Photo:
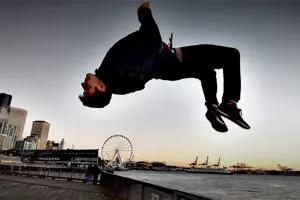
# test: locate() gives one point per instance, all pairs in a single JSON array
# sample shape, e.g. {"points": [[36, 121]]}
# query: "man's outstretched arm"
{"points": [[149, 29], [144, 13]]}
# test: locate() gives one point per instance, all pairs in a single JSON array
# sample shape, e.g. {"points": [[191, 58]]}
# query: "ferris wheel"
{"points": [[117, 149]]}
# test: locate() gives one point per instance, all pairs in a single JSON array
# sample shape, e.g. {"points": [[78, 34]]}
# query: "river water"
{"points": [[224, 187]]}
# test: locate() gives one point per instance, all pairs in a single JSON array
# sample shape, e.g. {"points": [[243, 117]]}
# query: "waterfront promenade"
{"points": [[53, 183], [28, 188]]}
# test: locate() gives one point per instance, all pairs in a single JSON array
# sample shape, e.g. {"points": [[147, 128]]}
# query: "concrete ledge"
{"points": [[127, 188]]}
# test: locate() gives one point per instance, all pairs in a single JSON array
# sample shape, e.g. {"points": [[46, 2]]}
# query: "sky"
{"points": [[47, 47]]}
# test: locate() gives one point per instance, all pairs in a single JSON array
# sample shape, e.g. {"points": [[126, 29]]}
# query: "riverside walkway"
{"points": [[34, 182], [28, 188]]}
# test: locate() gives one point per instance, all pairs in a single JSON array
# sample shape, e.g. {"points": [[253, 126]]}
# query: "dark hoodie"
{"points": [[137, 58]]}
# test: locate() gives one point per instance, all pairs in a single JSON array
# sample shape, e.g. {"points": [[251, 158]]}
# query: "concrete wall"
{"points": [[126, 188]]}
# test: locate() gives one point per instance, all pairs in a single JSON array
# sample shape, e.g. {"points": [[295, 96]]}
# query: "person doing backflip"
{"points": [[142, 56]]}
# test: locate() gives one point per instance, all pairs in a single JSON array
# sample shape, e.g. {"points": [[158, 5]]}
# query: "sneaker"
{"points": [[215, 119], [231, 112]]}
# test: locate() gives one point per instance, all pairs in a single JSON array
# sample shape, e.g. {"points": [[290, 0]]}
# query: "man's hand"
{"points": [[144, 5]]}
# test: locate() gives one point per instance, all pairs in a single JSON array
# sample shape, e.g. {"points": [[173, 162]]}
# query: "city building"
{"points": [[5, 101], [61, 144], [7, 131], [10, 133], [17, 117], [19, 145], [51, 145], [29, 143], [2, 126], [41, 129], [5, 142], [25, 145]]}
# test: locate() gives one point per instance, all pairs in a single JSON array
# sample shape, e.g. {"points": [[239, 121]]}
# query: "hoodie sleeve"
{"points": [[149, 30], [145, 16]]}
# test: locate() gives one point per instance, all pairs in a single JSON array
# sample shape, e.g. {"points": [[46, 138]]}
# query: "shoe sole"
{"points": [[217, 126], [238, 122]]}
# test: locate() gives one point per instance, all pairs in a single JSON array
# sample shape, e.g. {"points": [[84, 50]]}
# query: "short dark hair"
{"points": [[98, 100]]}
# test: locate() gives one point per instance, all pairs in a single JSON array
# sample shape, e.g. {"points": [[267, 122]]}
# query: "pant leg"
{"points": [[202, 60], [232, 76], [209, 87]]}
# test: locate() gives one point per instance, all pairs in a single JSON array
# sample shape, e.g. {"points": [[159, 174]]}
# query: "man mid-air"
{"points": [[142, 56]]}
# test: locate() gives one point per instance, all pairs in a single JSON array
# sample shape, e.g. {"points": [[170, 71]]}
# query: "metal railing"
{"points": [[53, 172]]}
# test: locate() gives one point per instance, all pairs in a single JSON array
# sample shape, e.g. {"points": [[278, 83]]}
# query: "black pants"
{"points": [[200, 61]]}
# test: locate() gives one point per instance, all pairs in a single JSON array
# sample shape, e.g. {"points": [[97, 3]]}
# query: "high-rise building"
{"points": [[8, 137], [61, 144], [7, 132], [11, 131], [17, 117], [5, 142], [5, 100], [2, 126], [41, 129]]}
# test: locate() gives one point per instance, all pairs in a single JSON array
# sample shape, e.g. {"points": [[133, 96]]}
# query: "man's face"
{"points": [[90, 85]]}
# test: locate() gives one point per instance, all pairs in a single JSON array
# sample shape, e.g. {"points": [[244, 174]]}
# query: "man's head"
{"points": [[95, 93]]}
